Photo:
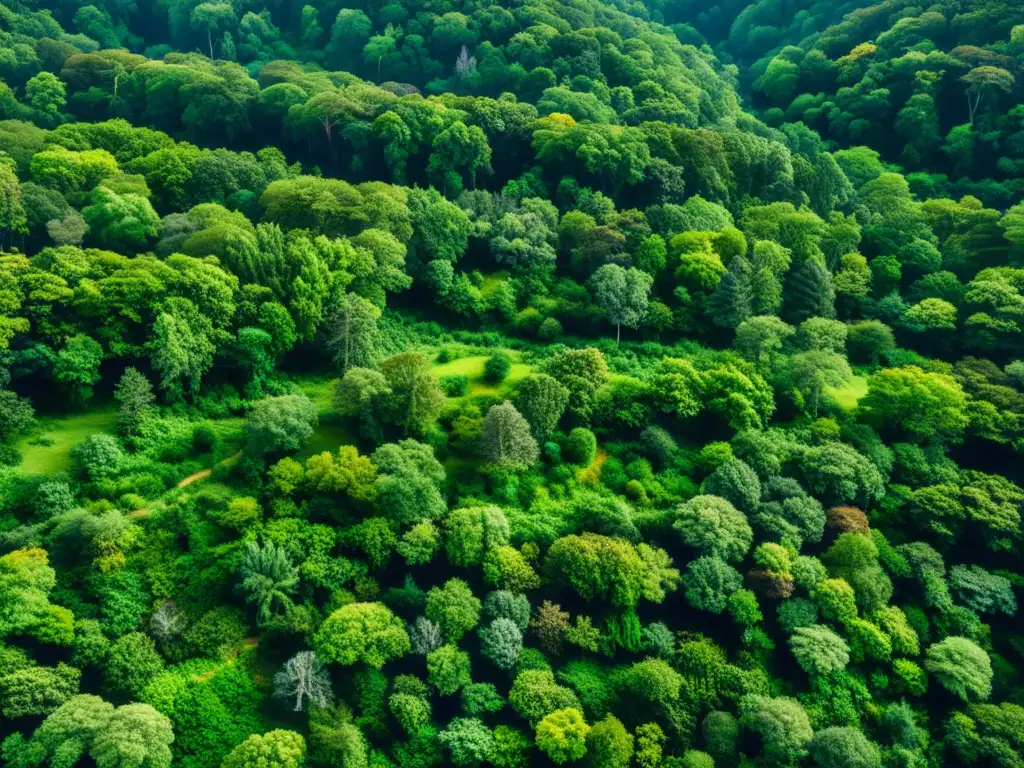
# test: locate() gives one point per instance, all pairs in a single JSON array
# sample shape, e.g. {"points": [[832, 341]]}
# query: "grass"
{"points": [[329, 434], [65, 433], [472, 368], [850, 393]]}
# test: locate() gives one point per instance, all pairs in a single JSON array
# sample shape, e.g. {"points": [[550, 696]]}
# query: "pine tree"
{"points": [[809, 292], [730, 304]]}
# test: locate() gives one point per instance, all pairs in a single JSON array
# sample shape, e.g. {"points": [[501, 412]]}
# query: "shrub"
{"points": [[580, 446], [497, 368], [455, 385]]}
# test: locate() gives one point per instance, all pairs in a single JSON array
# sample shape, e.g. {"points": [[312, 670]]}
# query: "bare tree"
{"points": [[304, 677], [167, 622], [425, 636]]}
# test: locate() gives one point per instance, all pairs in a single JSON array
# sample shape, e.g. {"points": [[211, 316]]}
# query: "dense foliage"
{"points": [[418, 384]]}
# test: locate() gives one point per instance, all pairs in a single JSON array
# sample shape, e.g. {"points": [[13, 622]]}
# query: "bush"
{"points": [[549, 330], [444, 355], [9, 455], [455, 385], [580, 446], [204, 439], [97, 456], [497, 368]]}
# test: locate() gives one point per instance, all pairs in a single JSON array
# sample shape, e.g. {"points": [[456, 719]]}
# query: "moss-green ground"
{"points": [[65, 432], [472, 367], [850, 393]]}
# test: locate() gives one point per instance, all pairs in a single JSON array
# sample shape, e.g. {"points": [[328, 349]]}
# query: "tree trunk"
{"points": [[618, 333], [209, 40]]}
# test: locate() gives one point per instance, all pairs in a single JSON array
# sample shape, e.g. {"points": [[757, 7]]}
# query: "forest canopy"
{"points": [[406, 385]]}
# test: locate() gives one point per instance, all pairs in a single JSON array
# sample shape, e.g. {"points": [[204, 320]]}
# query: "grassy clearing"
{"points": [[472, 368], [329, 433], [850, 393], [65, 433]]}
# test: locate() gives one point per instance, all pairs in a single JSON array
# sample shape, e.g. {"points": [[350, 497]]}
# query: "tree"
{"points": [[181, 348], [809, 292], [542, 401], [425, 636], [304, 678], [622, 295], [135, 399], [982, 591], [819, 650], [502, 642], [454, 607], [808, 373], [268, 579], [121, 221], [353, 334], [982, 80], [758, 338], [734, 481], [68, 732], [97, 456], [77, 367], [961, 667], [135, 736], [32, 690], [708, 582], [562, 735], [274, 749], [609, 744], [46, 94], [506, 439], [730, 304], [213, 18], [448, 669], [366, 632], [457, 150], [469, 741], [782, 724], [844, 748], [921, 404], [131, 663], [408, 482], [16, 413], [360, 394], [714, 526], [416, 399], [279, 424]]}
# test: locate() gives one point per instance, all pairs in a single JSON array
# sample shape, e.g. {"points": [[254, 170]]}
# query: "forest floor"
{"points": [[850, 393], [472, 368], [62, 433]]}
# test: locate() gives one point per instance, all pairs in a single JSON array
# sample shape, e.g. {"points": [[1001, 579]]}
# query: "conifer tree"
{"points": [[809, 292], [731, 302]]}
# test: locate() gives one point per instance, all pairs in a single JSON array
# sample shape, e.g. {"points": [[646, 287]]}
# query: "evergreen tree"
{"points": [[731, 303], [809, 292]]}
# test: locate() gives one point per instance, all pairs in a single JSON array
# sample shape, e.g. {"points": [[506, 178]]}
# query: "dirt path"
{"points": [[193, 478], [200, 475]]}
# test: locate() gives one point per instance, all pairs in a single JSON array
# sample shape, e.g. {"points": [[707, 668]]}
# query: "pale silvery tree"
{"points": [[425, 636], [167, 622], [304, 677]]}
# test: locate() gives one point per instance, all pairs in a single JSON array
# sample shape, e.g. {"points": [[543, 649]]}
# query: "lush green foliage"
{"points": [[416, 384]]}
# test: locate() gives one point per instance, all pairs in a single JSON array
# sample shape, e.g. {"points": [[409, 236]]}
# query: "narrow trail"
{"points": [[193, 478], [200, 475]]}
